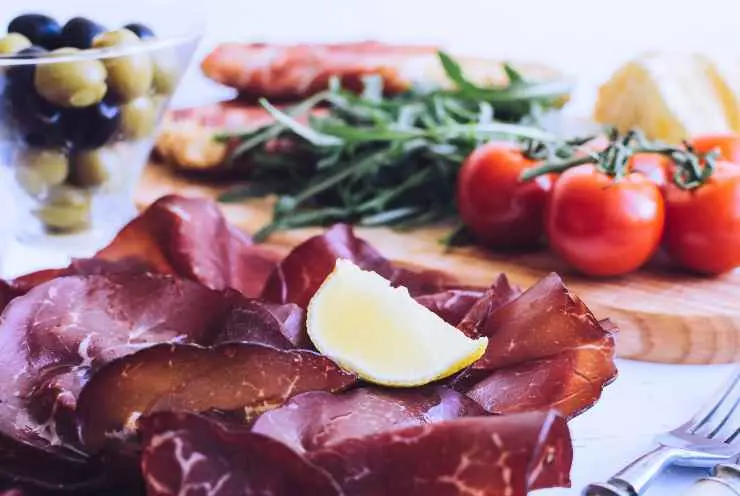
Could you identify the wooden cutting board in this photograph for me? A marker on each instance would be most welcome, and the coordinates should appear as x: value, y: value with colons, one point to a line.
x: 663, y: 316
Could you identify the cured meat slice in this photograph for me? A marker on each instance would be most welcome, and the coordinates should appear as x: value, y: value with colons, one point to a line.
x: 189, y: 451
x: 292, y: 320
x: 299, y: 275
x: 191, y: 238
x: 422, y: 281
x: 301, y: 272
x: 255, y: 322
x: 487, y: 456
x: 81, y: 267
x: 544, y: 321
x: 569, y: 382
x: 452, y: 305
x: 188, y: 237
x: 7, y: 293
x: 288, y: 72
x: 55, y: 335
x: 319, y: 419
x: 246, y: 377
x: 500, y: 293
x: 545, y: 350
x: 27, y: 465
x: 468, y: 308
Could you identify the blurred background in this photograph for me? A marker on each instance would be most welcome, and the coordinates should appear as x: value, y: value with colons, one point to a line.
x: 583, y: 37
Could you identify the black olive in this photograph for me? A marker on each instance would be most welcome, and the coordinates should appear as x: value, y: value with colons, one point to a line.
x: 22, y: 75
x: 91, y: 127
x: 40, y: 29
x: 38, y: 121
x: 141, y: 30
x: 79, y: 32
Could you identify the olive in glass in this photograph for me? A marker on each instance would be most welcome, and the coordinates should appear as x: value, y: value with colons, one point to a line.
x: 74, y: 83
x: 79, y: 32
x: 39, y: 29
x: 129, y: 76
x: 141, y: 30
x: 93, y: 126
x: 13, y: 43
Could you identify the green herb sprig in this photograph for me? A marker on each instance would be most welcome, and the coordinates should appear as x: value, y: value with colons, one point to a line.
x: 381, y: 161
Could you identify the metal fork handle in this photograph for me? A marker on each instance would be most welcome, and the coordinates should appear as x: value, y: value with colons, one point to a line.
x: 633, y: 479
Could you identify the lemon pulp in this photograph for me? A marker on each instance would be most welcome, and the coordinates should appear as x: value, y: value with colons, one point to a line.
x: 381, y: 333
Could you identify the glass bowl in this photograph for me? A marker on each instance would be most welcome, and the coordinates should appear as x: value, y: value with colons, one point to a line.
x: 77, y: 126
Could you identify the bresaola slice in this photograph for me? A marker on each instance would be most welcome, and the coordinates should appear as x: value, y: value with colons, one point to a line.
x: 544, y: 321
x: 569, y: 382
x: 22, y: 464
x: 177, y: 235
x: 299, y: 275
x: 7, y: 293
x: 243, y: 377
x: 452, y: 305
x: 186, y: 454
x: 545, y: 350
x: 191, y: 238
x: 319, y: 419
x: 487, y: 456
x: 55, y: 336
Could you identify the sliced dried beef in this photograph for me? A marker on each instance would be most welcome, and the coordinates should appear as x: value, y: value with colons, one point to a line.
x: 319, y: 419
x: 55, y: 336
x: 489, y: 456
x: 544, y: 321
x: 241, y: 377
x: 183, y: 236
x: 301, y: 272
x: 186, y: 450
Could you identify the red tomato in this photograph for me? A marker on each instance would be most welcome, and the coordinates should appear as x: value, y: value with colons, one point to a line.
x: 728, y: 145
x: 602, y: 227
x: 500, y: 210
x: 703, y: 225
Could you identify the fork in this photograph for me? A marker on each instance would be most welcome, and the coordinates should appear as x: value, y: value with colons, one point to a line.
x: 710, y: 437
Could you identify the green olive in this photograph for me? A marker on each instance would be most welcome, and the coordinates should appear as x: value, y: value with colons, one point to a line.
x: 39, y: 169
x: 93, y: 167
x: 13, y: 43
x: 166, y: 72
x: 30, y: 180
x: 138, y: 118
x: 129, y: 76
x: 78, y: 83
x: 66, y: 209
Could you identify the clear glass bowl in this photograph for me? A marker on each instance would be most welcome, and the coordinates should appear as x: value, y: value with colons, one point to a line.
x: 76, y: 131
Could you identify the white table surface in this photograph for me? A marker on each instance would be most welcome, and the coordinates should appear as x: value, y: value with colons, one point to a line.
x: 581, y: 36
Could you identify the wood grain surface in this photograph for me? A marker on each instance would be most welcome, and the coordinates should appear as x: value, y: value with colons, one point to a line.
x: 663, y: 315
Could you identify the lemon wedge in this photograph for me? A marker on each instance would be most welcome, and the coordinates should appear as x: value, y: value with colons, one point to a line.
x: 381, y: 333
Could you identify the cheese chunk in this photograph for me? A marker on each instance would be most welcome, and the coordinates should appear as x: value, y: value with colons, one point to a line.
x: 671, y: 96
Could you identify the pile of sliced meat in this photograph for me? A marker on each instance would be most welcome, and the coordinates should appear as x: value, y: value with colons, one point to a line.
x: 176, y: 362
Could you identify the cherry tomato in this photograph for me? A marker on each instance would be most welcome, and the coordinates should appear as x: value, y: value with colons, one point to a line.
x: 703, y: 225
x: 728, y: 145
x: 499, y: 209
x: 604, y: 227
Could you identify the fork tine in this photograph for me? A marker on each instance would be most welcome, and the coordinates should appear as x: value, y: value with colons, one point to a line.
x: 712, y: 417
x: 727, y: 427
